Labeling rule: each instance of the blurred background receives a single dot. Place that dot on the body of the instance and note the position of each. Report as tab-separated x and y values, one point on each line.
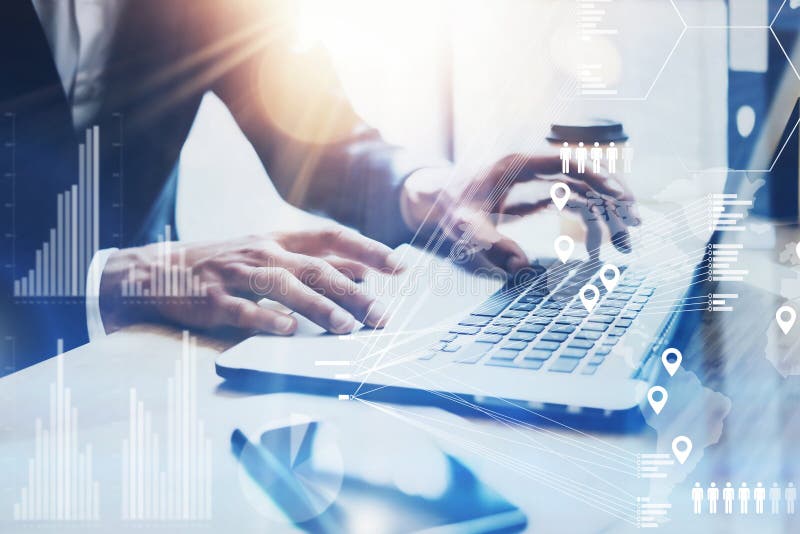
472	80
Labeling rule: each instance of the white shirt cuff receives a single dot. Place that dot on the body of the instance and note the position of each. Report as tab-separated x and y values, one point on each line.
94	321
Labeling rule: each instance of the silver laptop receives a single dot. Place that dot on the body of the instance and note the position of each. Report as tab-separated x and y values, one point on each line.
528	347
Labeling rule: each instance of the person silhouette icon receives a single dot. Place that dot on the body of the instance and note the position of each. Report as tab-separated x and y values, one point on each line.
580	155
744	498
727	498
612	154
596	155
565	154
697	498
775	498
712	494
759	496
790	494
627	158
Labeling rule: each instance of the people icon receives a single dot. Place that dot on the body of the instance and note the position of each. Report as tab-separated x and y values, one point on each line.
775	498
697	498
790	494
612	154
565	154
759	496
596	155
713	498
727	498
627	158
744	498
581	155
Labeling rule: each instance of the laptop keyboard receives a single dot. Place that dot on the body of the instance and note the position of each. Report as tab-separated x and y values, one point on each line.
540	324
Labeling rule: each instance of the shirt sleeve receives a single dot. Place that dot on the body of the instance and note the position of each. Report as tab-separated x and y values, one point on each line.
94	320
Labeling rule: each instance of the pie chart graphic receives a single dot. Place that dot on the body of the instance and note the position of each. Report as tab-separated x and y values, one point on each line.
293	473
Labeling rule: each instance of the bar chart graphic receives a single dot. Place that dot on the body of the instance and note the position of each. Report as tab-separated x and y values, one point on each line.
592	17
650	514
652	465
60	481
168	480
62	263
166	279
724	214
724	259
591	81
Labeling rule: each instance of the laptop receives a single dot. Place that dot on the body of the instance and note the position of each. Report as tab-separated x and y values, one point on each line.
528	348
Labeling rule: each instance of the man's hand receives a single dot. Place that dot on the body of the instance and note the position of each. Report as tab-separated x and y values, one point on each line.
434	201
313	273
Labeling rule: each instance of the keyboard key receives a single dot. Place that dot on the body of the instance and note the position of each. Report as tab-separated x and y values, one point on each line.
515	345
547	313
563	328
532	298
564	365
581	343
555	336
648	291
447	338
471	353
589	370
576	313
538	320
641	299
553	305
531	328
635	306
438	346
475	320
498	302
529	364
489	338
629	314
624	323
500	330
522	336
524	306
547	345
596	326
588	334
596	360
616	331
506	321
574	352
465	330
515	314
601	318
538	354
500	363
570	320
603	350
452	347
504	354
427	355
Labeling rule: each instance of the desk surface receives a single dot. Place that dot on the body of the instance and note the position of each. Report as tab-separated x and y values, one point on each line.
740	410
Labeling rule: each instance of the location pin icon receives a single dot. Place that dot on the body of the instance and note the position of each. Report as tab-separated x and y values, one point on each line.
589	301
564	246
786	317
657	403
671	366
611	282
681	448
560	192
